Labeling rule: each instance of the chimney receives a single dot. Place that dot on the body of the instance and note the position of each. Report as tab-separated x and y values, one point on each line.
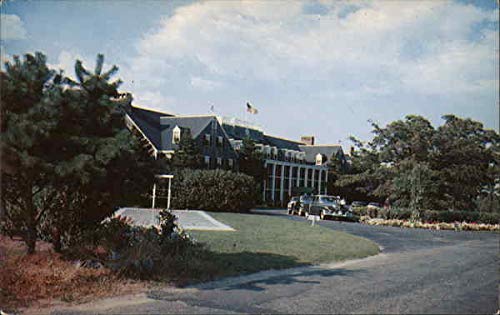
308	140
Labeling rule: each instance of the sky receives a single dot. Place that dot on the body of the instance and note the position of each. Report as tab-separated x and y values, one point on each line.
322	68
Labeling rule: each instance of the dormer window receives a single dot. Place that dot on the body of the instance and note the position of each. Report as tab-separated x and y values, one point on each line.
176	135
319	159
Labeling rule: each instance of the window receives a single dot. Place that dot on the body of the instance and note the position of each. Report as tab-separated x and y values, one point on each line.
207	160
230	162
219	161
207	139
176	135
220	141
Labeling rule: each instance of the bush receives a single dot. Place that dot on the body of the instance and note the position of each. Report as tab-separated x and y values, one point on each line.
489	217
446	216
394	213
213	190
138	252
360	211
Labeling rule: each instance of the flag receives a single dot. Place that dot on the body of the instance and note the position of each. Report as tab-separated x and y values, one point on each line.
251	109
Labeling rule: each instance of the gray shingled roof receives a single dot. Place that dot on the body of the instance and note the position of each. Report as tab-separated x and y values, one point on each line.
195	123
149	123
240	132
282	143
326	150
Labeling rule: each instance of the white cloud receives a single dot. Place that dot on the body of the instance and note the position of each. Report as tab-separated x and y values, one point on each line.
12	27
155	99
204	84
271	41
346	52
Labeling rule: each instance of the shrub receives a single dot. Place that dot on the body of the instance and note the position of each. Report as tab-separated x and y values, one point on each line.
489	217
449	216
394	213
138	252
445	216
213	190
360	211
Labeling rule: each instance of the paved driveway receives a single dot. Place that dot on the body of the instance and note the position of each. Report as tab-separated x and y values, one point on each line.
418	271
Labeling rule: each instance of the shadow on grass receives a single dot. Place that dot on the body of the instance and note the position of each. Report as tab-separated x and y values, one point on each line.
214	265
222	265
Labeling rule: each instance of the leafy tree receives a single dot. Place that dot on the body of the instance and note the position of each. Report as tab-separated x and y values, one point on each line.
467	159
419	166
188	154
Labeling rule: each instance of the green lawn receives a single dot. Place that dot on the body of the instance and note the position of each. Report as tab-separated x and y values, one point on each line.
263	242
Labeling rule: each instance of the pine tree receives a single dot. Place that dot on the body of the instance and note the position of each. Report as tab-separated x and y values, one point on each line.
73	160
188	154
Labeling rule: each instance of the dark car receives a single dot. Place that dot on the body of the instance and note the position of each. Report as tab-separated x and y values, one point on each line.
304	203
374	205
359	204
329	206
293	205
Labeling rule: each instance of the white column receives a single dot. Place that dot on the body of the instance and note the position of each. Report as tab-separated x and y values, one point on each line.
290	173
282	179
319	181
326	183
306	173
266	176
273	184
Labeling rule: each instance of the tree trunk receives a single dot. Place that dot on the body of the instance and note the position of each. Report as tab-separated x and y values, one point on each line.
56	240
30	240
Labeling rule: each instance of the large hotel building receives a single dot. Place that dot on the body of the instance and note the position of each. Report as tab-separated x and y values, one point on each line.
292	166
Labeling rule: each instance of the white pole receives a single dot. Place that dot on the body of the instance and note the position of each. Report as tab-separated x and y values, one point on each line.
168	199
154	196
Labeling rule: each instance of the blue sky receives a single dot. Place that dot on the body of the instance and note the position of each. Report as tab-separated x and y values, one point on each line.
318	68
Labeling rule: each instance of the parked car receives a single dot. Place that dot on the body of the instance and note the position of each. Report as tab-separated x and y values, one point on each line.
358	204
304	202
293	205
329	207
374	205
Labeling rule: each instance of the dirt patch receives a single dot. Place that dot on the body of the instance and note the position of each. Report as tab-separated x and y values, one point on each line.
44	278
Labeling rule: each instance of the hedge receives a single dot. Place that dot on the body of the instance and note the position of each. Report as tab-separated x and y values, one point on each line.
447	216
213	190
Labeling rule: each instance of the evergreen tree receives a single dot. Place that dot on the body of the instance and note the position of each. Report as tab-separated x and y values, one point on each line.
188	154
28	122
74	159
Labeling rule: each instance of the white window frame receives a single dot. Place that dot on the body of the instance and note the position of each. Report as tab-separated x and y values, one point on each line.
176	135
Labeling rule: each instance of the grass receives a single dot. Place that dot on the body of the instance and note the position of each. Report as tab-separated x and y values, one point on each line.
263	242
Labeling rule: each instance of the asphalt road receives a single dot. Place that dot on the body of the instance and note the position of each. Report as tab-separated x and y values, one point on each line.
418	271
